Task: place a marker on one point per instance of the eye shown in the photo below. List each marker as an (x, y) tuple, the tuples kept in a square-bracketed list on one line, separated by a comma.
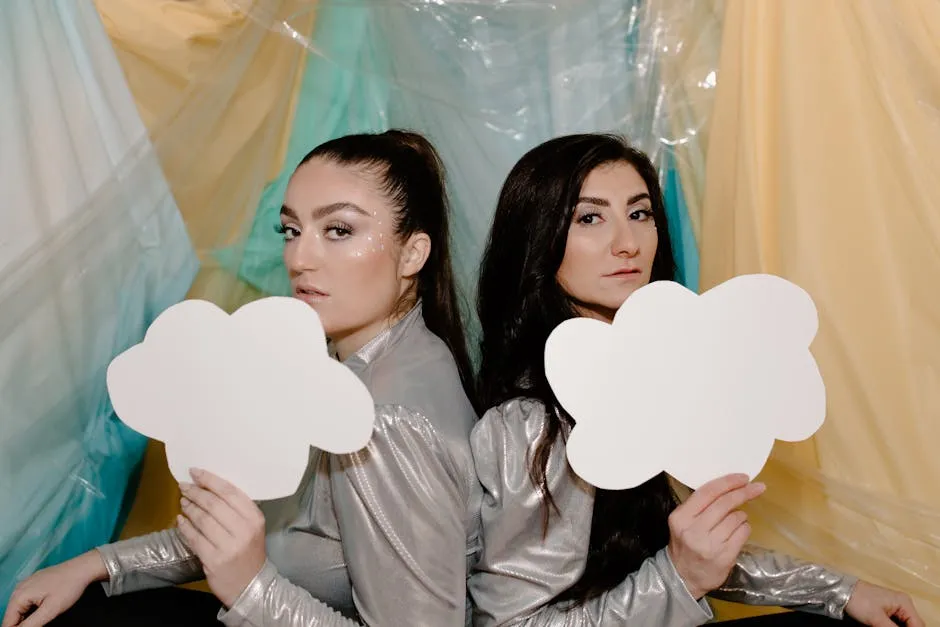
[(289, 232), (589, 218), (641, 215), (338, 231)]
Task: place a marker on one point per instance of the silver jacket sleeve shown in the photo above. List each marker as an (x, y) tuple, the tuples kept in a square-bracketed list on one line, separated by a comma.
[(763, 577), (151, 561), (520, 572), (402, 508)]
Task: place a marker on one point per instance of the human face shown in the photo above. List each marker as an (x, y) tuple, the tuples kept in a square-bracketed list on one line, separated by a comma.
[(342, 254), (611, 241)]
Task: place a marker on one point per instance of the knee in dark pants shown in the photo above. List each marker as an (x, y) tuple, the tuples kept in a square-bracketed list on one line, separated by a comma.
[(164, 607), (790, 619)]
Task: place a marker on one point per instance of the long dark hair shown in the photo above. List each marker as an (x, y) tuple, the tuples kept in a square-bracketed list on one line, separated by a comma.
[(520, 302), (412, 174)]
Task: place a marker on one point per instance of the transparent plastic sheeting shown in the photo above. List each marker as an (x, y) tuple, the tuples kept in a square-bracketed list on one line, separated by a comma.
[(486, 81), (216, 82), (217, 92), (92, 248)]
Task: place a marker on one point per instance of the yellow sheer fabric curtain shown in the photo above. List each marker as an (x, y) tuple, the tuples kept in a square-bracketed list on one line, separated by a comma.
[(216, 91), (822, 168)]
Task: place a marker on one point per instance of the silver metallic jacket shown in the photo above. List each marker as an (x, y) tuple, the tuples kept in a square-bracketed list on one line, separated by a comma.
[(519, 573), (384, 536)]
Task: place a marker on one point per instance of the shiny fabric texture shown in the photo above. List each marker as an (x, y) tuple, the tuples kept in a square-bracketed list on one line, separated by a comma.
[(385, 536), (519, 573), (766, 578), (152, 561)]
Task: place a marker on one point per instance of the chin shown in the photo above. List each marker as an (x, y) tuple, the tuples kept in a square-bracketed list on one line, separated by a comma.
[(616, 302), (620, 294), (326, 320)]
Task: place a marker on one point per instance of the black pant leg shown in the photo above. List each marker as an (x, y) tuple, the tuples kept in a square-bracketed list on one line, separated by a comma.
[(790, 619), (163, 607)]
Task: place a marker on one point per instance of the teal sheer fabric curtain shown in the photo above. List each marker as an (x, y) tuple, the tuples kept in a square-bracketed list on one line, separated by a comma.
[(336, 98), (92, 248)]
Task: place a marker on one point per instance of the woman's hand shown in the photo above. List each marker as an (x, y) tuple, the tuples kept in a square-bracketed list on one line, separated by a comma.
[(51, 591), (708, 531), (876, 606), (225, 529)]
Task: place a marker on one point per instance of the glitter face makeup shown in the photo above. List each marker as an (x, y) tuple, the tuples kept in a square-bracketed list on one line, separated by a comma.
[(341, 251)]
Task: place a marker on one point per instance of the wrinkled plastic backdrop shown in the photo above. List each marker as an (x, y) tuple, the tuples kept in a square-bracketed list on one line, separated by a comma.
[(234, 92), (486, 82)]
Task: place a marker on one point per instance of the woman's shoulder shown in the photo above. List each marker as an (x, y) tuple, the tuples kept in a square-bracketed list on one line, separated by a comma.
[(418, 380), (503, 444), (520, 408), (519, 420)]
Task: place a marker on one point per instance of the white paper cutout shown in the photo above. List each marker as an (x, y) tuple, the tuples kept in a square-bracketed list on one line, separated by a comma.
[(243, 396), (698, 386)]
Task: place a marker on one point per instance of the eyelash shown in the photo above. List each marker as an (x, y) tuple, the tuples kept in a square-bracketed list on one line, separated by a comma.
[(584, 219), (339, 227), (288, 232), (341, 231), (644, 214)]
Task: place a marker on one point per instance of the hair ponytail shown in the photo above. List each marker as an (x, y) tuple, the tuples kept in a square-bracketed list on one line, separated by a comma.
[(412, 174)]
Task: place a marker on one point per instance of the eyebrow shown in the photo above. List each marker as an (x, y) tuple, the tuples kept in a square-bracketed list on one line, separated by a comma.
[(603, 202), (321, 212)]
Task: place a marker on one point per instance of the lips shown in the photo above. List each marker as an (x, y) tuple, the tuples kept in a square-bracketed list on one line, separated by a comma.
[(625, 272), (309, 293)]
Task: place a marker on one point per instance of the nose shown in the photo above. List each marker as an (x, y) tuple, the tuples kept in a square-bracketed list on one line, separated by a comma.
[(625, 243), (302, 254)]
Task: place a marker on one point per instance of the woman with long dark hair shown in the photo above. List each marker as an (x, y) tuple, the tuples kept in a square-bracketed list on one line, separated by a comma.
[(383, 536), (579, 226)]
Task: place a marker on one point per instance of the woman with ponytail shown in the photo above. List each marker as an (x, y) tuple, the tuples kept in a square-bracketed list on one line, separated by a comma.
[(383, 536)]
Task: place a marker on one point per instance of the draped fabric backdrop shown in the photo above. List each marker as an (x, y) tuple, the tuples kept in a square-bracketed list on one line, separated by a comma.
[(796, 138), (822, 168), (92, 248)]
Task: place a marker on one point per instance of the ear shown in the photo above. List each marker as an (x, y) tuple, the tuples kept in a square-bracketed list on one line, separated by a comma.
[(415, 254)]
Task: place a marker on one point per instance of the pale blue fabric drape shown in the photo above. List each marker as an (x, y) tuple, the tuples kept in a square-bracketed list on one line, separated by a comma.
[(92, 248)]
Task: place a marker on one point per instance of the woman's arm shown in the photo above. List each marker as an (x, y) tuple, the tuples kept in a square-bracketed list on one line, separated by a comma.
[(762, 577), (151, 561), (402, 505), (521, 572), (270, 600)]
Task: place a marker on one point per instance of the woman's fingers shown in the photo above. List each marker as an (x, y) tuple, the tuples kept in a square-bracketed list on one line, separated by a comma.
[(737, 541), (203, 503), (205, 522), (726, 528), (728, 502), (703, 498), (195, 540), (237, 500)]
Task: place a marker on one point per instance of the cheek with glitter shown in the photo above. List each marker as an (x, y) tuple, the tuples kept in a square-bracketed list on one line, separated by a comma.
[(369, 243)]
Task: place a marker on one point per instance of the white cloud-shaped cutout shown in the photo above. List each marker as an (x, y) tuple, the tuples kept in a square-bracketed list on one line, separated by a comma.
[(697, 385), (243, 396)]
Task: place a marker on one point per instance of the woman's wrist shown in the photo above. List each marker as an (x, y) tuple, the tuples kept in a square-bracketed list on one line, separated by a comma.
[(92, 563)]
